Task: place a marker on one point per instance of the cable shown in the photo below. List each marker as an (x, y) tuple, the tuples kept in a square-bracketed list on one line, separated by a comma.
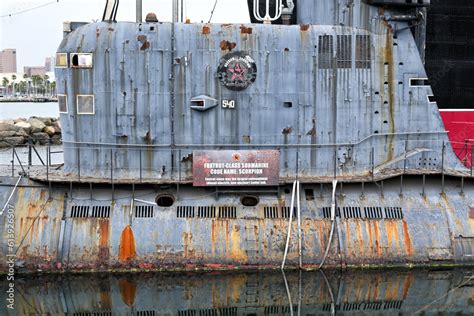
[(28, 10), (212, 12)]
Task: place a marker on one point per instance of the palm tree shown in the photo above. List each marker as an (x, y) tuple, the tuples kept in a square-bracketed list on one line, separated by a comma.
[(13, 84), (5, 82), (26, 77), (53, 88)]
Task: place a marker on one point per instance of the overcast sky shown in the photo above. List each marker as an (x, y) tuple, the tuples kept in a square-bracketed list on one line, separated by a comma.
[(36, 34)]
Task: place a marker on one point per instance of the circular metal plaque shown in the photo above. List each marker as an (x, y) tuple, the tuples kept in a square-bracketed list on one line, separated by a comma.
[(237, 71)]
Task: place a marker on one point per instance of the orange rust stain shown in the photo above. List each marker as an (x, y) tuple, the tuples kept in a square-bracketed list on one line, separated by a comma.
[(127, 245), (226, 45), (245, 30), (377, 239), (392, 234), (348, 234), (408, 242), (360, 238), (304, 27), (187, 242), (104, 233), (407, 284), (128, 291), (105, 300), (236, 252), (227, 239), (371, 238), (206, 30)]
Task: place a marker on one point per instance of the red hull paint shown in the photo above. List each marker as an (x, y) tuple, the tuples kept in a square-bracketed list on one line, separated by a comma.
[(460, 125)]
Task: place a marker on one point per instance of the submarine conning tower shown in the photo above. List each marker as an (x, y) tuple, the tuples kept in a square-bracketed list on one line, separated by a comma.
[(341, 93)]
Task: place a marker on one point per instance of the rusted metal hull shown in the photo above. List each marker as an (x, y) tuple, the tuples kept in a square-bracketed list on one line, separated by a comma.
[(97, 228)]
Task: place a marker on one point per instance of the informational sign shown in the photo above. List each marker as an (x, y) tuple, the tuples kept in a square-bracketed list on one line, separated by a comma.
[(237, 71), (236, 168)]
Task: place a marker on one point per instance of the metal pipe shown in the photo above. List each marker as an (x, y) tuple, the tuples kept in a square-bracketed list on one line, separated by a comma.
[(333, 217), (139, 11), (292, 205), (175, 11), (300, 235)]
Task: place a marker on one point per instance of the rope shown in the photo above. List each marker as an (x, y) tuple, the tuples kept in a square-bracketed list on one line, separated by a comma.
[(28, 10)]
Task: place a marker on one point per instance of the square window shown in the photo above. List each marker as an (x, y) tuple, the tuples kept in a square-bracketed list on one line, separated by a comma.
[(61, 60), (62, 101), (81, 60), (85, 104)]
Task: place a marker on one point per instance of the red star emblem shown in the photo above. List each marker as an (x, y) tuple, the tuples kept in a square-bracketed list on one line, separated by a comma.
[(238, 72)]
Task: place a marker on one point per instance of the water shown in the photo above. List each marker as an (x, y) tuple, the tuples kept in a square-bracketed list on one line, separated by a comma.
[(246, 293), (14, 110)]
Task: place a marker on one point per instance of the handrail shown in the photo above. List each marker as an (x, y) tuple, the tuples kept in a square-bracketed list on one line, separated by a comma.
[(11, 195)]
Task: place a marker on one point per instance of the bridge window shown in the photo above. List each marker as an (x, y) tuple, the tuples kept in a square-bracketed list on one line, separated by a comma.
[(61, 60), (62, 101), (81, 60), (85, 104), (419, 82)]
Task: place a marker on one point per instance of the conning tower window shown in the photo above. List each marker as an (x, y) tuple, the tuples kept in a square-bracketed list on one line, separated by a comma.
[(62, 101), (61, 60), (85, 104), (419, 82), (81, 60)]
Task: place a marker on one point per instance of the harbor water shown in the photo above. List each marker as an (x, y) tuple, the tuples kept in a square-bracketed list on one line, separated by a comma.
[(395, 292)]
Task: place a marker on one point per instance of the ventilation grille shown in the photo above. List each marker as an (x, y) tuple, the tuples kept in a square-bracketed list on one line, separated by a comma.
[(351, 212), (347, 307), (344, 51), (279, 310), (327, 212), (100, 211), (373, 212), (206, 212), (368, 213), (145, 313), (229, 311), (80, 211), (270, 212), (93, 314), (185, 212), (325, 51), (227, 212), (363, 51), (394, 213), (285, 212), (144, 211)]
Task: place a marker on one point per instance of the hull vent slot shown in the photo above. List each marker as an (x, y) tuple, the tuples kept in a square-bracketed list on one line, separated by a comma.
[(393, 213), (327, 212), (206, 211), (373, 212), (93, 314), (185, 212), (79, 211), (352, 212), (145, 313), (100, 211), (227, 212), (325, 51), (285, 212), (229, 311), (270, 212), (144, 211)]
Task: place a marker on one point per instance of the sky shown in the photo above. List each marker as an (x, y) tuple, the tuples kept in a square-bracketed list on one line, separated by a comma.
[(36, 34)]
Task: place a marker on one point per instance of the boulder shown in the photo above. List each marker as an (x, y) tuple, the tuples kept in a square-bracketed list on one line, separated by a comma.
[(14, 141), (46, 120), (9, 122), (56, 140), (36, 125), (26, 127), (40, 138), (5, 134), (57, 127), (5, 127), (49, 130), (18, 120)]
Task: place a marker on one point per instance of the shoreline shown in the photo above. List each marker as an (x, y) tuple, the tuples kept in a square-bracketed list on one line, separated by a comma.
[(29, 100)]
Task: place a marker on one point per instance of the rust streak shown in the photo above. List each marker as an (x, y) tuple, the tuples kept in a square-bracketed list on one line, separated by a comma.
[(377, 239), (127, 245), (304, 27), (128, 291), (206, 30), (408, 242), (226, 45)]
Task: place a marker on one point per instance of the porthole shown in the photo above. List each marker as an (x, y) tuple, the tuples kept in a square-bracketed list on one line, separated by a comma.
[(249, 200), (165, 200)]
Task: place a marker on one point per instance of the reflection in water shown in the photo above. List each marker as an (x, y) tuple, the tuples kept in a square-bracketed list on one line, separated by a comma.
[(246, 293)]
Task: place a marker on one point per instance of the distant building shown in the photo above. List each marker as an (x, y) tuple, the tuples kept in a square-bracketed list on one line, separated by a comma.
[(49, 64), (8, 60), (35, 71)]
